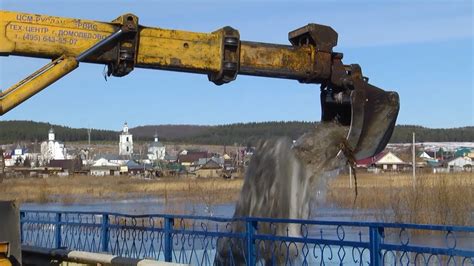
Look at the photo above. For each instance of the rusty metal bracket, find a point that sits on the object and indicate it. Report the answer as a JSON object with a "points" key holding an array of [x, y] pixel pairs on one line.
{"points": [[126, 48], [230, 56], [322, 39], [340, 79]]}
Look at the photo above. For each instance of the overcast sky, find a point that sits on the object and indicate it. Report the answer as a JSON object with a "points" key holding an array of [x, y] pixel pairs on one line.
{"points": [[421, 49]]}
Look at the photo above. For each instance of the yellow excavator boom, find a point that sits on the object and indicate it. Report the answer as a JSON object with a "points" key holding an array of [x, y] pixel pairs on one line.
{"points": [[123, 44], [51, 37]]}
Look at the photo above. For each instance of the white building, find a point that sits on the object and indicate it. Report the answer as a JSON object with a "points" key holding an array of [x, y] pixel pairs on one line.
{"points": [[104, 162], [102, 167], [125, 141], [16, 156], [390, 161], [52, 149], [156, 150], [426, 156], [460, 164]]}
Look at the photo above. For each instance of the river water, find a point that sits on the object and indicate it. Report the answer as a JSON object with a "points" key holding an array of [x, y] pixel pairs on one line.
{"points": [[150, 205]]}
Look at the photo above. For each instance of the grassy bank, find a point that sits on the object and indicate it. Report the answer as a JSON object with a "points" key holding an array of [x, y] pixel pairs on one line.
{"points": [[435, 199], [88, 188]]}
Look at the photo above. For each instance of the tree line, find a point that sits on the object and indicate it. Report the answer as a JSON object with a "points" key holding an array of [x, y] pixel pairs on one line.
{"points": [[30, 131], [239, 133]]}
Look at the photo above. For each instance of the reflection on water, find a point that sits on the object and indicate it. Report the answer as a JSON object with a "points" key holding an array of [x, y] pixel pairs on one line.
{"points": [[152, 205], [139, 206]]}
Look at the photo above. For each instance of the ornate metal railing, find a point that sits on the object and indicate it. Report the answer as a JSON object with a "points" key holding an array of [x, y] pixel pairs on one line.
{"points": [[199, 240]]}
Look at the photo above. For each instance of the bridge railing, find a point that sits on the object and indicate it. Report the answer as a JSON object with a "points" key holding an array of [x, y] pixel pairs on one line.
{"points": [[199, 240]]}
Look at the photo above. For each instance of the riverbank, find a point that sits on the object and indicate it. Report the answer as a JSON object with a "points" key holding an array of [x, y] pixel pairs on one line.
{"points": [[436, 199], [83, 189]]}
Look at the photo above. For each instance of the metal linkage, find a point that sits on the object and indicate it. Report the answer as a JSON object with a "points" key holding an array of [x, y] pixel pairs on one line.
{"points": [[230, 56], [110, 39], [199, 240], [57, 69]]}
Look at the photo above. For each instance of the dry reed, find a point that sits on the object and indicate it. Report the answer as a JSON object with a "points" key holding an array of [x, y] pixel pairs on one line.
{"points": [[88, 188], [435, 198]]}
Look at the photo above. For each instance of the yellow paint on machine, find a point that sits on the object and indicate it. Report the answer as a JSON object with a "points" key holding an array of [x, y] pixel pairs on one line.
{"points": [[48, 36], [51, 37], [179, 50], [36, 82], [4, 251]]}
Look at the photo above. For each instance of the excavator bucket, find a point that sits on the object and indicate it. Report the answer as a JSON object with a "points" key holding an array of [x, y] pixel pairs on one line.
{"points": [[369, 112]]}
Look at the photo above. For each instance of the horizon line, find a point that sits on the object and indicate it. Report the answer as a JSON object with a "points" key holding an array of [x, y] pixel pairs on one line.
{"points": [[216, 125]]}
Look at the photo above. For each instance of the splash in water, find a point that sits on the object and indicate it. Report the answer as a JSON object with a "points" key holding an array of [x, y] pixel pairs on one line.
{"points": [[282, 181]]}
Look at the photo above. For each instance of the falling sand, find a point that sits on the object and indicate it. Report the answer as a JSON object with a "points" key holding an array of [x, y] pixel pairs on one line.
{"points": [[282, 181]]}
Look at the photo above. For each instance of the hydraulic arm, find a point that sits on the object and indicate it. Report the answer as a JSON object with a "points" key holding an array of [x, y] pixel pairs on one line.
{"points": [[123, 44]]}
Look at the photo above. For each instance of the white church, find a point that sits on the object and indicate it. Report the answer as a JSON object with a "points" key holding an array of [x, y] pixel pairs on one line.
{"points": [[156, 150], [52, 149], [125, 142]]}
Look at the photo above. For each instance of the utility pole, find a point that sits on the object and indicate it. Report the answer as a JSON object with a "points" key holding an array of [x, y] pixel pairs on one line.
{"points": [[89, 136], [414, 161]]}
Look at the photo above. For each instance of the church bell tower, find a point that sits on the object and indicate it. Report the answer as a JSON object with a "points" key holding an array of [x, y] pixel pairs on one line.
{"points": [[125, 141]]}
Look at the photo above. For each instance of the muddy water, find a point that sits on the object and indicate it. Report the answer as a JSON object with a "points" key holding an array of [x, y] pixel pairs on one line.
{"points": [[283, 178], [282, 181]]}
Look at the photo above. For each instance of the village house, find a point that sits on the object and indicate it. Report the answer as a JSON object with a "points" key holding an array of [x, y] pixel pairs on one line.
{"points": [[103, 167], [43, 171], [190, 158], [218, 160], [16, 157], [170, 158], [462, 152], [369, 162], [390, 162], [229, 164], [460, 164], [112, 158], [129, 167], [21, 156], [134, 168], [425, 156], [67, 167], [107, 170], [141, 158], [209, 169], [471, 154]]}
